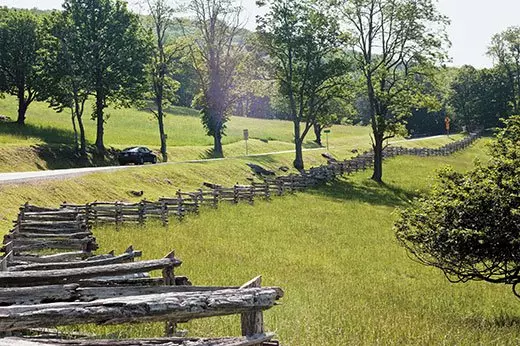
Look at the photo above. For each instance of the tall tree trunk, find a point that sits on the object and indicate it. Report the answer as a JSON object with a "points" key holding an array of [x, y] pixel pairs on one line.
{"points": [[377, 146], [317, 133], [217, 144], [160, 119], [79, 106], [298, 159], [378, 158], [100, 104], [75, 129], [82, 140], [22, 106]]}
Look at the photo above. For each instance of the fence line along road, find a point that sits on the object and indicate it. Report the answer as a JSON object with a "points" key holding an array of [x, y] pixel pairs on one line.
{"points": [[183, 203]]}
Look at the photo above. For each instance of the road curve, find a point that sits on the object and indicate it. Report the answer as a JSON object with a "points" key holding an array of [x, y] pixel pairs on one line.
{"points": [[23, 177]]}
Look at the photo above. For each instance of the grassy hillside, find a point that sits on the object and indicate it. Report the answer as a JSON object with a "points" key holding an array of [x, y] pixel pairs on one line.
{"points": [[45, 143], [127, 127], [332, 249]]}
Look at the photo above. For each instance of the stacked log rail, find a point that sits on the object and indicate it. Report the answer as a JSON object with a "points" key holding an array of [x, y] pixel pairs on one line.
{"points": [[184, 203], [76, 287], [39, 229], [60, 294]]}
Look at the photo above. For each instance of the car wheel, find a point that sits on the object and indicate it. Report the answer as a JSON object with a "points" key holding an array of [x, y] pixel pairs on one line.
{"points": [[154, 160]]}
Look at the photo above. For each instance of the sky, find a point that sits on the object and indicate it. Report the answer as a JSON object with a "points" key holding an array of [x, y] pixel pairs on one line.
{"points": [[473, 23]]}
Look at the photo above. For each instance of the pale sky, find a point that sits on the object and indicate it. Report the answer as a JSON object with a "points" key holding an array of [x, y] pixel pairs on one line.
{"points": [[473, 23]]}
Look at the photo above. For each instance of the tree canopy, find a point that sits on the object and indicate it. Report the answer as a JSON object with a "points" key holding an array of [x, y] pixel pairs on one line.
{"points": [[20, 39], [396, 44], [303, 41], [116, 54]]}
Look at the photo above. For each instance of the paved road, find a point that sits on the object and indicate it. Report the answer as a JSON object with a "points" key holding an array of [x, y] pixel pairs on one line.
{"points": [[20, 177]]}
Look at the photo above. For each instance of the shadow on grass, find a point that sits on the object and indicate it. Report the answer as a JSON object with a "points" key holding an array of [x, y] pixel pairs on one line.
{"points": [[45, 134], [58, 150], [63, 156], [207, 154], [366, 191], [502, 320]]}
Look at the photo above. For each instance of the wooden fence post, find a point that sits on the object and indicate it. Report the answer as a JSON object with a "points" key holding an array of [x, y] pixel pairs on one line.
{"points": [[252, 322], [169, 280], [180, 201], [164, 213], [118, 214], [141, 212]]}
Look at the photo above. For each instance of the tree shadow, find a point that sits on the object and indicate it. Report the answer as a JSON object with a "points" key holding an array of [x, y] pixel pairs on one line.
{"points": [[207, 154], [501, 320], [366, 191], [58, 150], [46, 134], [61, 156]]}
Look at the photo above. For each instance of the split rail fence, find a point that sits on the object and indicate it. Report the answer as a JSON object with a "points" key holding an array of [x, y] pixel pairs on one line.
{"points": [[183, 203], [51, 277]]}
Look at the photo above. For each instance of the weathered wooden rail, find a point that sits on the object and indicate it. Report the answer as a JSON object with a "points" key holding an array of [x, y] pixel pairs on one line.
{"points": [[78, 287]]}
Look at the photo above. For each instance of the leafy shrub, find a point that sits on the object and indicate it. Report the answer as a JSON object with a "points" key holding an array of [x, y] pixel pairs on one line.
{"points": [[469, 226]]}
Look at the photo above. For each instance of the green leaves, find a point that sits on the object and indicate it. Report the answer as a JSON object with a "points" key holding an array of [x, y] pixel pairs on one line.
{"points": [[20, 39], [469, 226]]}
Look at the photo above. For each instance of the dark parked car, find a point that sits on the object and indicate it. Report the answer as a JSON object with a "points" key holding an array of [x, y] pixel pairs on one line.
{"points": [[136, 155]]}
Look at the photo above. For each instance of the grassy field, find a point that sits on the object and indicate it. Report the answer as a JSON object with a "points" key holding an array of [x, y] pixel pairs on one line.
{"points": [[126, 127], [331, 249], [45, 143]]}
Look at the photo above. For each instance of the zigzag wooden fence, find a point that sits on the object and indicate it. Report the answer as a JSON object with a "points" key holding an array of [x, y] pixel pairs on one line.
{"points": [[184, 203], [51, 277]]}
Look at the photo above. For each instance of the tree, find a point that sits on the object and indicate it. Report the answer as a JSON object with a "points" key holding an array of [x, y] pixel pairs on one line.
{"points": [[116, 55], [165, 54], [333, 112], [505, 49], [63, 74], [302, 39], [216, 53], [20, 40], [469, 226], [480, 97], [396, 44]]}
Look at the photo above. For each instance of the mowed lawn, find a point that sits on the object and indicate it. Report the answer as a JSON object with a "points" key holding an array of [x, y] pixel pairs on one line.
{"points": [[333, 251]]}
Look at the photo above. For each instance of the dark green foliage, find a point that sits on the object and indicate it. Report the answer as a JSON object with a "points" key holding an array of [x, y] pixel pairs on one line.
{"points": [[505, 51], [116, 54], [480, 97], [67, 82], [20, 39], [469, 226]]}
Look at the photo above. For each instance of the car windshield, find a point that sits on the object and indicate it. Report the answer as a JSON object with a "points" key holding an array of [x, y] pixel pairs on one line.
{"points": [[131, 149]]}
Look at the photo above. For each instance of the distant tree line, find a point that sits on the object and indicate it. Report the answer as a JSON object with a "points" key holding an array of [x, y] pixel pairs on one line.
{"points": [[316, 63]]}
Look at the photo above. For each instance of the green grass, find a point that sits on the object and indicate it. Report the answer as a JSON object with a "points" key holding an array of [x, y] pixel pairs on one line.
{"points": [[46, 141], [126, 127], [332, 250]]}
